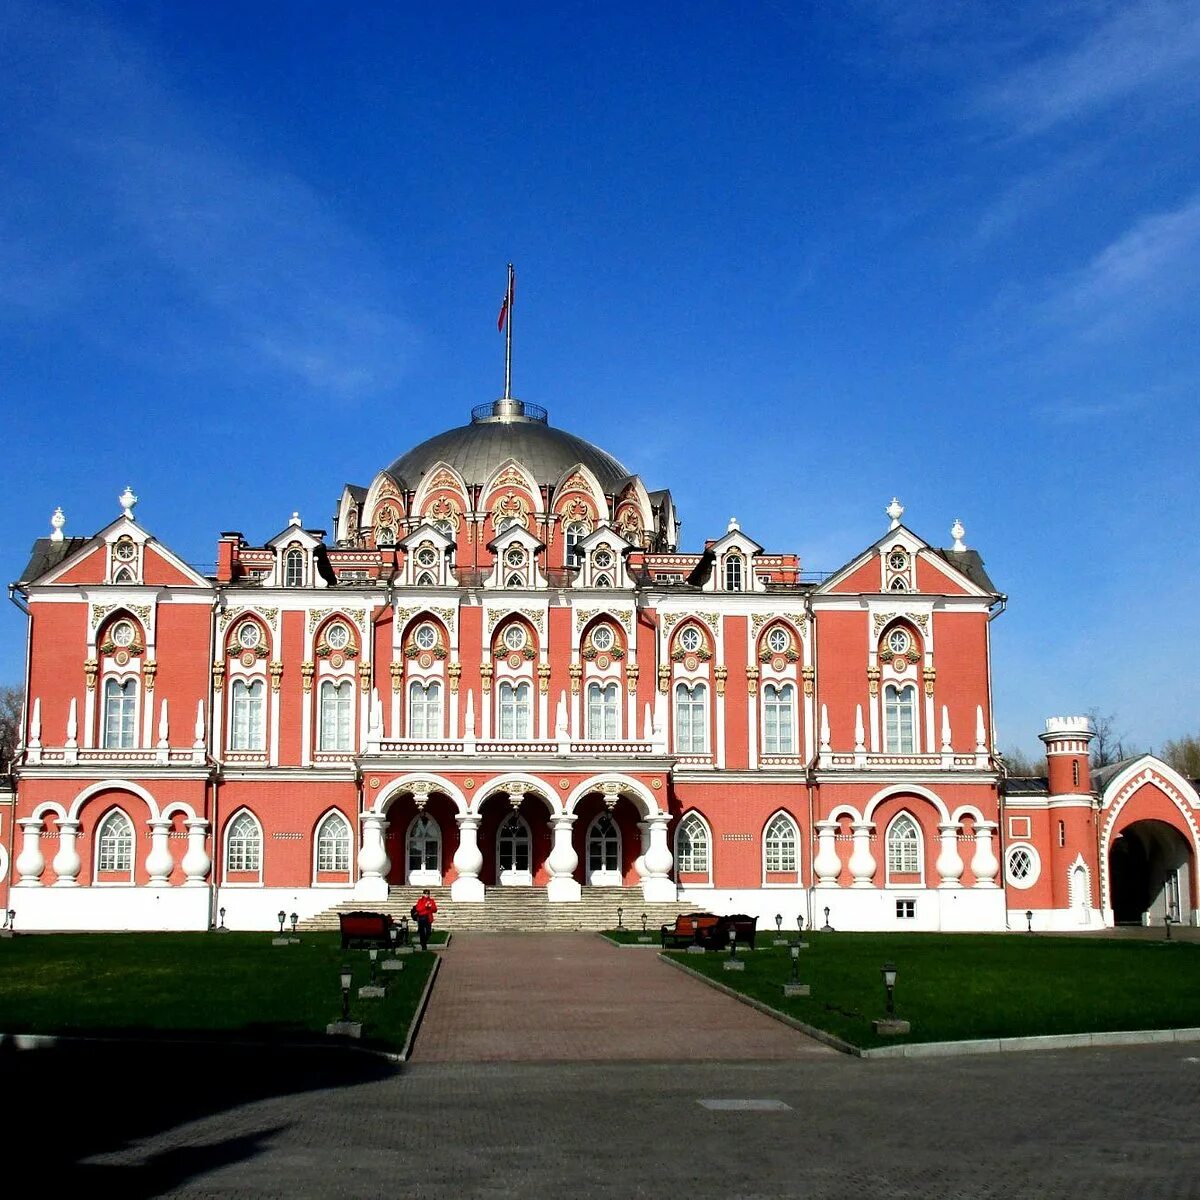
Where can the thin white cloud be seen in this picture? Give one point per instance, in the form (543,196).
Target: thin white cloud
(247,261)
(1148,46)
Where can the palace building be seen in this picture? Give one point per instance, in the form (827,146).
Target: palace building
(500,674)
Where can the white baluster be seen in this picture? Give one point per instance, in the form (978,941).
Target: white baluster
(468,861)
(657,862)
(30,862)
(984,865)
(159,861)
(66,862)
(373,861)
(562,862)
(196,862)
(949,865)
(827,864)
(862,861)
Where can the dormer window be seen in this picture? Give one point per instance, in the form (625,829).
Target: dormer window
(293,569)
(124,561)
(733,573)
(425,579)
(603,581)
(124,575)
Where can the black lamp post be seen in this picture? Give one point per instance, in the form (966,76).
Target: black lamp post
(281,916)
(222,912)
(778,924)
(1029,920)
(347,979)
(799,928)
(404,931)
(795,953)
(889,982)
(12,918)
(643,922)
(295,919)
(827,928)
(732,943)
(1167,925)
(620,916)
(374,956)
(695,931)
(393,933)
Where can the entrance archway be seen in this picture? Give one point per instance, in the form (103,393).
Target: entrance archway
(1150,873)
(514,852)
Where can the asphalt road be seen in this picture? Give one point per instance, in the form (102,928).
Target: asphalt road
(1098,1123)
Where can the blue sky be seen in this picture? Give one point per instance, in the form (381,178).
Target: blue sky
(787,259)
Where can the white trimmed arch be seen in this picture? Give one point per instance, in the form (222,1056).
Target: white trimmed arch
(48,806)
(388,793)
(907,789)
(844,810)
(114,785)
(967,810)
(639,793)
(179,806)
(529,784)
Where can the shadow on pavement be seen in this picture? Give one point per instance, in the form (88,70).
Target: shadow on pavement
(102,1098)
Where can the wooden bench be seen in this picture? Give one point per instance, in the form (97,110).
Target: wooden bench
(687,929)
(365,928)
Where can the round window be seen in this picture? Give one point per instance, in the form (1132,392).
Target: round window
(898,641)
(427,556)
(602,559)
(248,635)
(337,636)
(602,637)
(514,637)
(122,634)
(778,640)
(426,637)
(515,557)
(125,552)
(690,639)
(1022,866)
(898,560)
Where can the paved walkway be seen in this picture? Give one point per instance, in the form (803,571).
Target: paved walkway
(573,997)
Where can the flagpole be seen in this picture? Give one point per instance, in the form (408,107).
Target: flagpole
(508,339)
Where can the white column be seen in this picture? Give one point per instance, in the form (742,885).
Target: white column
(158,861)
(862,861)
(657,862)
(468,861)
(196,862)
(639,863)
(30,863)
(984,864)
(562,862)
(827,865)
(373,861)
(949,863)
(66,862)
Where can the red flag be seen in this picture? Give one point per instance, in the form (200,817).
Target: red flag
(506,303)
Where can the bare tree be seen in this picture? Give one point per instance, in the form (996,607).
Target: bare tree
(1020,764)
(1110,744)
(11,702)
(1184,755)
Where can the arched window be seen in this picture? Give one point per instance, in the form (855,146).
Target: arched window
(780,845)
(246,727)
(779,709)
(124,575)
(573,534)
(293,569)
(337,711)
(691,846)
(424,710)
(120,706)
(691,718)
(243,847)
(425,579)
(515,581)
(604,851)
(900,719)
(114,845)
(602,581)
(333,844)
(733,573)
(602,712)
(904,846)
(424,849)
(514,710)
(513,849)
(898,585)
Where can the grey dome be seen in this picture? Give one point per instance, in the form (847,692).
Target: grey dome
(500,431)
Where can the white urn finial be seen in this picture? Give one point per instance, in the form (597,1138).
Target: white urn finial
(895,511)
(295,521)
(733,525)
(127,500)
(57,521)
(957,532)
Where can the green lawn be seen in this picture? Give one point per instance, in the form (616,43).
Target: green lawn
(234,985)
(962,986)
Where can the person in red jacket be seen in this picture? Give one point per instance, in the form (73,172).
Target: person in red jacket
(425,907)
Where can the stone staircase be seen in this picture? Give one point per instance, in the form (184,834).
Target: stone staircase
(518,909)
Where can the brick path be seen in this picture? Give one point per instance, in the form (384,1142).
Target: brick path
(574,997)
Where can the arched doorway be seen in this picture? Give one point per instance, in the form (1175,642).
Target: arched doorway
(1150,872)
(423,855)
(604,852)
(514,852)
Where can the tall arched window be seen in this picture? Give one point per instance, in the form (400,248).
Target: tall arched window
(691,718)
(424,710)
(780,845)
(604,851)
(120,708)
(602,712)
(691,846)
(114,845)
(337,710)
(904,846)
(293,569)
(779,710)
(573,534)
(514,710)
(514,850)
(246,727)
(733,573)
(900,719)
(243,847)
(333,844)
